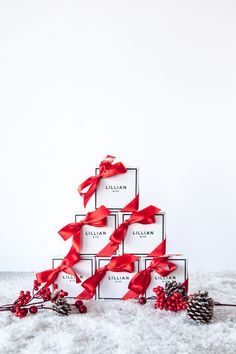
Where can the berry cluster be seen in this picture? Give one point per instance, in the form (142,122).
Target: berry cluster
(36,285)
(45,294)
(80,306)
(174,302)
(19,311)
(19,307)
(24,297)
(58,294)
(30,303)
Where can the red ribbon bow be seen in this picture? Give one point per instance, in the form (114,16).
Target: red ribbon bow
(144,216)
(50,275)
(124,263)
(140,282)
(106,169)
(96,218)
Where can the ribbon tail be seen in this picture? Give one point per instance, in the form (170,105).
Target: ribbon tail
(108,250)
(70,271)
(92,183)
(85,295)
(129,295)
(133,205)
(89,193)
(76,243)
(160,250)
(185,285)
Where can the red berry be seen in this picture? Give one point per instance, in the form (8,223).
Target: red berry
(24,312)
(142,300)
(13,309)
(82,309)
(33,309)
(78,303)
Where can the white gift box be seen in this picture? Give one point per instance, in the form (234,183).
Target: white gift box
(117,191)
(94,239)
(85,268)
(179,275)
(114,285)
(142,239)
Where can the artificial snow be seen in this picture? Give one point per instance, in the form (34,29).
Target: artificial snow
(120,327)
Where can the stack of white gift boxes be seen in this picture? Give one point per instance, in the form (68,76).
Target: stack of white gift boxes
(115,191)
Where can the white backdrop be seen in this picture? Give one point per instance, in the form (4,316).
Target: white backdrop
(151,82)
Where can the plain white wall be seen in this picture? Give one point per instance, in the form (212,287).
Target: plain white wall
(152,82)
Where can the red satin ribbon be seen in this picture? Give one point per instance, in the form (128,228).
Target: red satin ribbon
(160,250)
(133,205)
(144,216)
(96,218)
(50,275)
(140,282)
(124,263)
(106,169)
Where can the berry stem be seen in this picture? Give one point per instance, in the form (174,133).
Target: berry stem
(7,305)
(6,309)
(34,303)
(42,307)
(219,304)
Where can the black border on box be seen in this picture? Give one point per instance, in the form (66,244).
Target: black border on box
(98,289)
(87,259)
(116,224)
(136,187)
(163,233)
(170,259)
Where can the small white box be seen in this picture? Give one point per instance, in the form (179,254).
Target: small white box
(142,239)
(117,191)
(94,239)
(179,275)
(114,285)
(85,268)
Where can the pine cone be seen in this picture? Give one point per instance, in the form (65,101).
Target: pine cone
(61,306)
(173,286)
(200,307)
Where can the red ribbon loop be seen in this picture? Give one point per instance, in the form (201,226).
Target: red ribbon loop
(106,169)
(96,218)
(144,216)
(124,263)
(50,275)
(140,282)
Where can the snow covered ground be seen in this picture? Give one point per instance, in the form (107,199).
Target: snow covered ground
(118,327)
